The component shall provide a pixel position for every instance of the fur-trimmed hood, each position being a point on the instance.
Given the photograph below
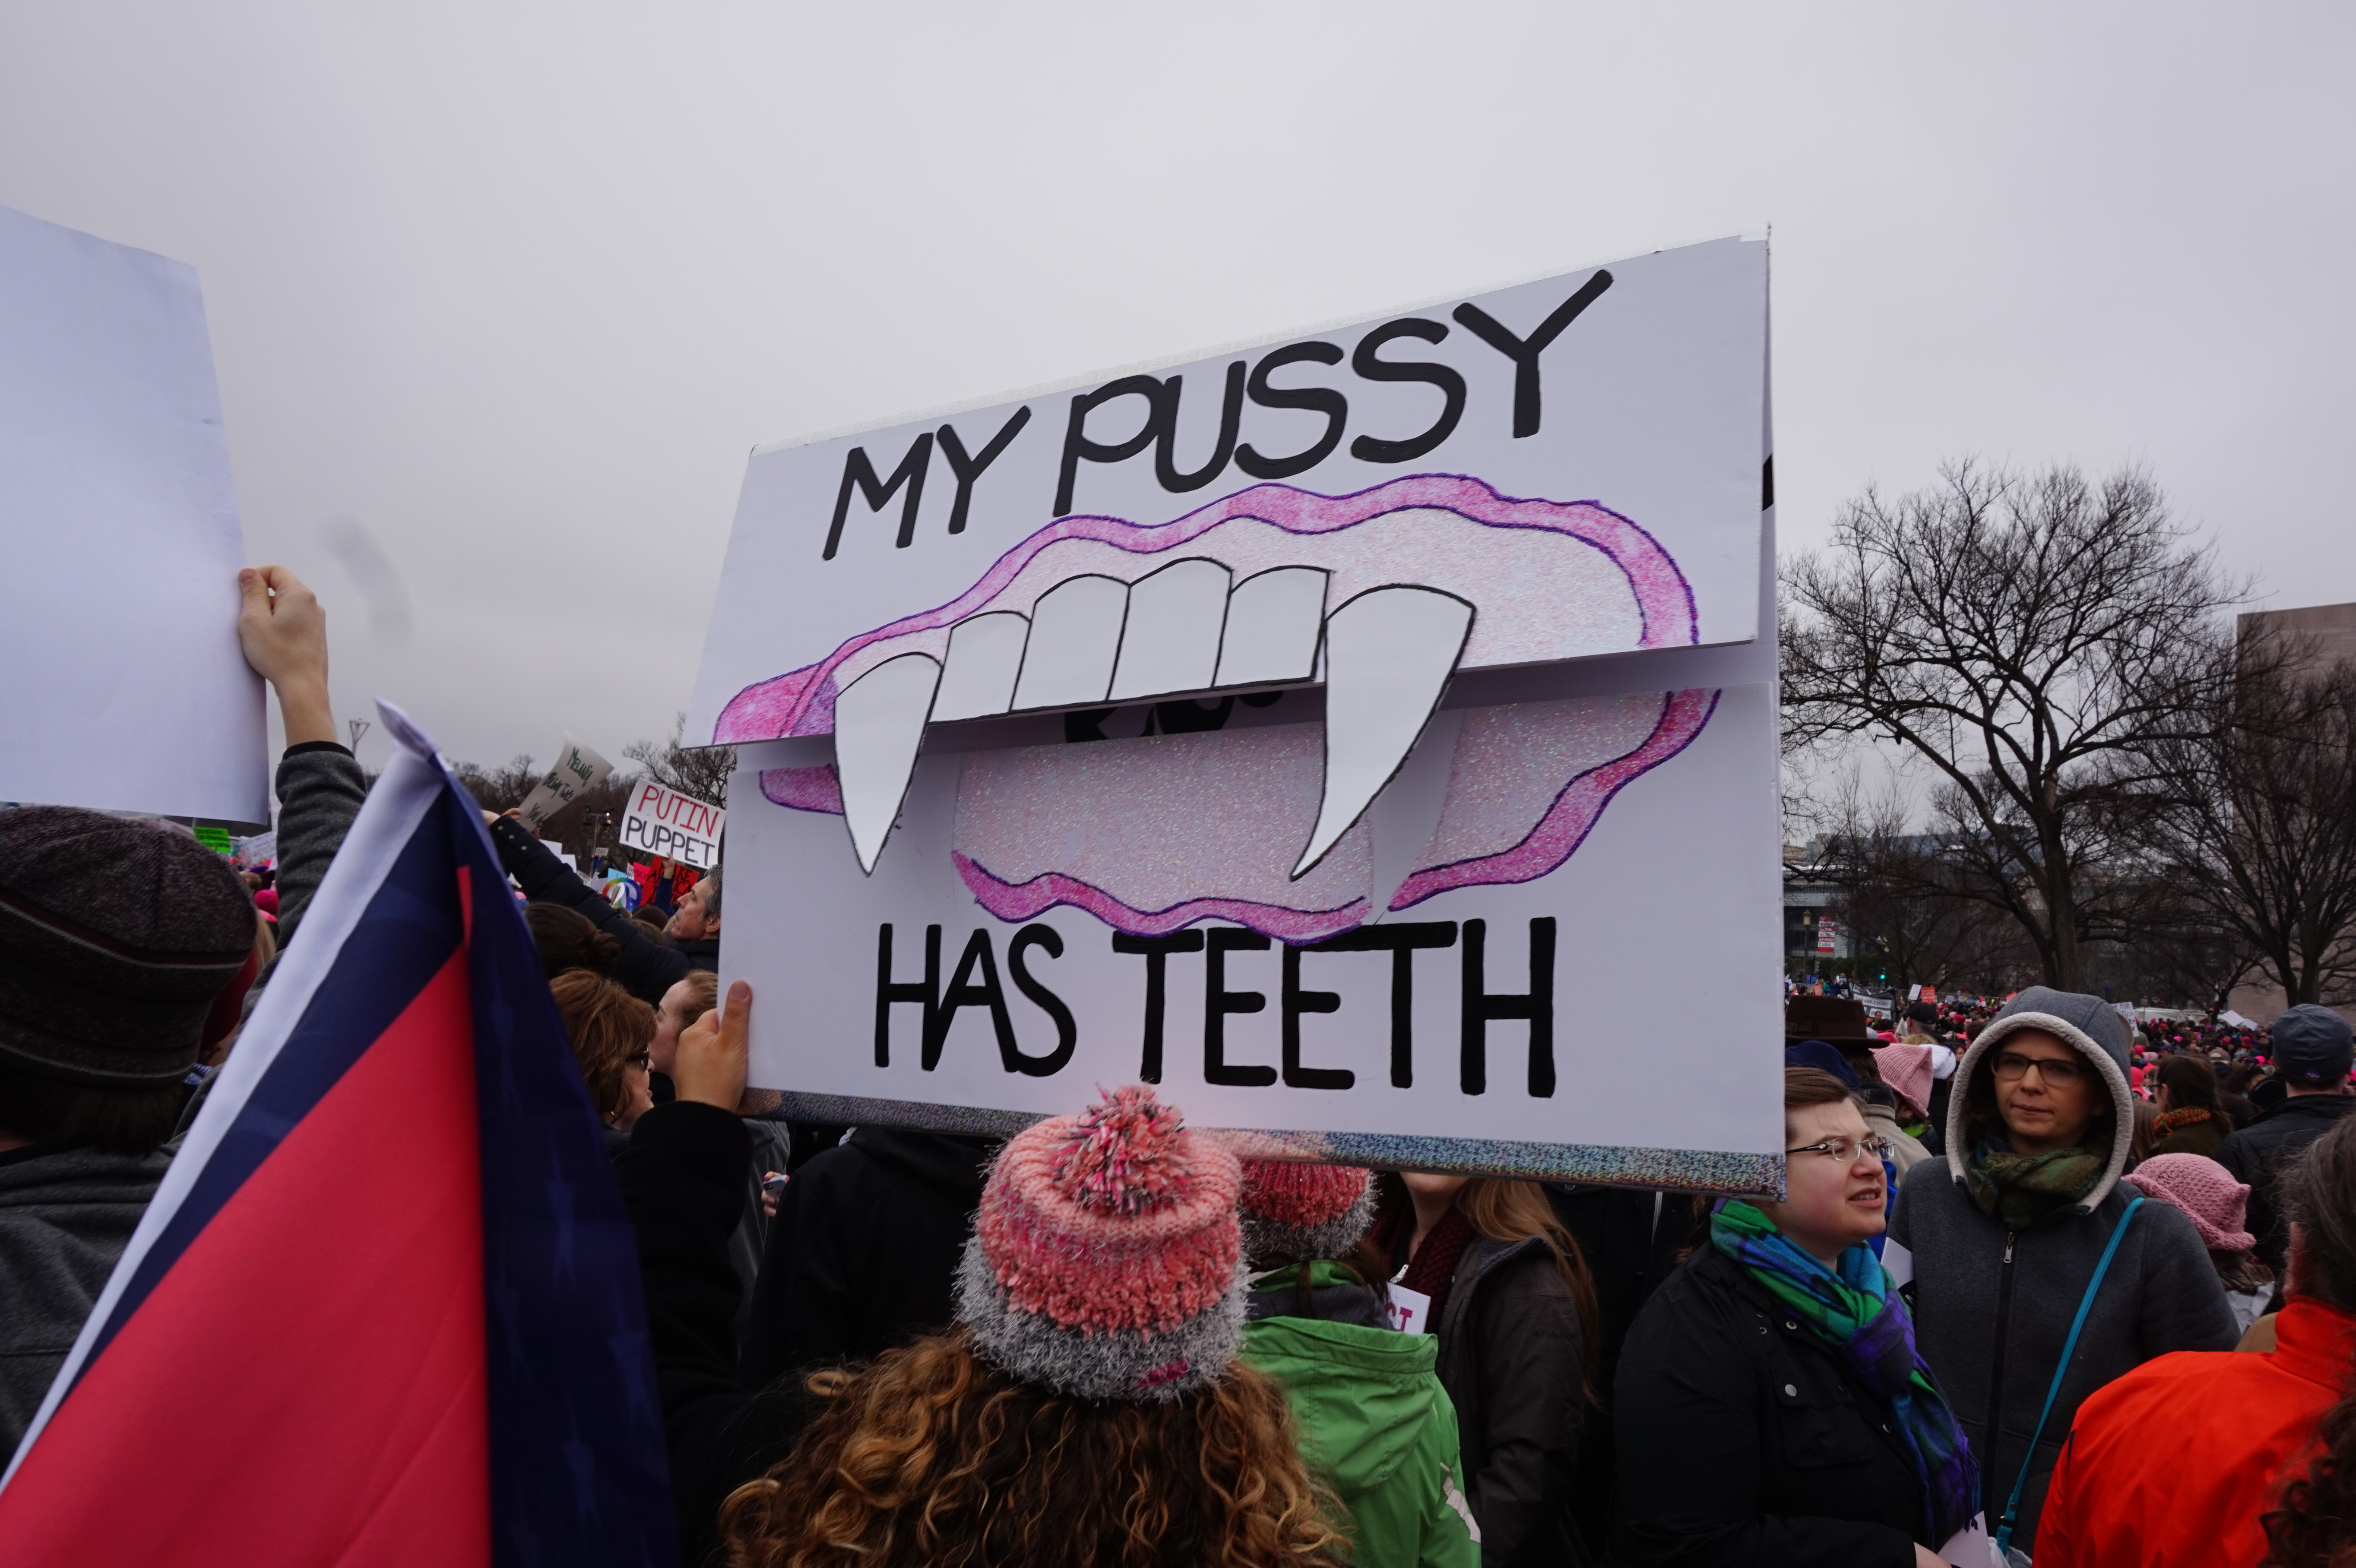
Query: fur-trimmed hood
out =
(2091, 1027)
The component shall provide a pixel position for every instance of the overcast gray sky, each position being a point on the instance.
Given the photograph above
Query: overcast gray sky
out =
(501, 295)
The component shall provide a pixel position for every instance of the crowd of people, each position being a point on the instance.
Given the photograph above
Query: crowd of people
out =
(2028, 1290)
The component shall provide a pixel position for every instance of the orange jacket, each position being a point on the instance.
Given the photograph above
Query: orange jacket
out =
(2173, 1464)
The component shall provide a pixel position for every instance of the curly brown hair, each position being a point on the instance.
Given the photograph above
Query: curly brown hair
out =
(932, 1456)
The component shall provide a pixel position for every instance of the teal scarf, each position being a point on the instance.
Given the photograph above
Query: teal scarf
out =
(1860, 1314)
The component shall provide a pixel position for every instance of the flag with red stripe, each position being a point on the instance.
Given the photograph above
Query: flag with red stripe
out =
(384, 1307)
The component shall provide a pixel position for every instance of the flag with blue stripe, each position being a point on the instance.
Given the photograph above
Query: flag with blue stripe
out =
(384, 1307)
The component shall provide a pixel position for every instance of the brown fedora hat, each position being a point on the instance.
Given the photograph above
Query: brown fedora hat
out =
(1832, 1019)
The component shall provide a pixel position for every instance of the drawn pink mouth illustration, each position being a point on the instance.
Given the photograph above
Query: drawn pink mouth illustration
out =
(1382, 594)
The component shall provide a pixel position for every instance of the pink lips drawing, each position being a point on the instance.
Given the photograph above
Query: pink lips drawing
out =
(1382, 594)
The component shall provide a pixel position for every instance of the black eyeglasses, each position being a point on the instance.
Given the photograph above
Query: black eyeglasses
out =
(644, 1058)
(2054, 1070)
(1846, 1149)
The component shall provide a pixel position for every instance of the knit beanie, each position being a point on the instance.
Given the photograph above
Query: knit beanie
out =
(1300, 1213)
(1907, 1069)
(115, 936)
(1106, 1261)
(2205, 1190)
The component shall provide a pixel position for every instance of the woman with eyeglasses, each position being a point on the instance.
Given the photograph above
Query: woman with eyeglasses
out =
(2003, 1239)
(1771, 1404)
(611, 1033)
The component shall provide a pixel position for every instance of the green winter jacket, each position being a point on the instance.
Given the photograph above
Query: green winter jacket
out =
(1375, 1426)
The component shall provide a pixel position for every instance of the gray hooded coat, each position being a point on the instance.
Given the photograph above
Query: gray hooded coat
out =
(1992, 1306)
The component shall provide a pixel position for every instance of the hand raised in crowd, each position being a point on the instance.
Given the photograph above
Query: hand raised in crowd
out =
(710, 1066)
(283, 633)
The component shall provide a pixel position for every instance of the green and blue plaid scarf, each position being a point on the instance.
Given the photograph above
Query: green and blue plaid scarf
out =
(1860, 1314)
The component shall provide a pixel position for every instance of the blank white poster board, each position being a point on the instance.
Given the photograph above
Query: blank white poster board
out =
(121, 683)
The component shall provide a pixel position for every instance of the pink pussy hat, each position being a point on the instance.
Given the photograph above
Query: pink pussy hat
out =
(2215, 1203)
(1107, 1261)
(1906, 1069)
(1300, 1212)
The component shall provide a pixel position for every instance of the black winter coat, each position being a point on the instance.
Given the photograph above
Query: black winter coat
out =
(682, 1177)
(1514, 1363)
(1630, 1240)
(2256, 1153)
(1745, 1444)
(863, 1253)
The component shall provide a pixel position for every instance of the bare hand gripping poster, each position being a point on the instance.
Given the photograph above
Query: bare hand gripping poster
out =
(1369, 735)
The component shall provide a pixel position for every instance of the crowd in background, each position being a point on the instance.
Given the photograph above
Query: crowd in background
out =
(2035, 1285)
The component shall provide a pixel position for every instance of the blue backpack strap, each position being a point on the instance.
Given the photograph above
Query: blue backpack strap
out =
(2085, 1305)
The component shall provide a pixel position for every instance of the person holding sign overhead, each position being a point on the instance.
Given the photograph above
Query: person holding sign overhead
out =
(645, 968)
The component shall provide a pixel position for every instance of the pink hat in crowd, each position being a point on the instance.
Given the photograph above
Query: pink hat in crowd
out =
(1106, 1261)
(2215, 1203)
(1907, 1069)
(1301, 1212)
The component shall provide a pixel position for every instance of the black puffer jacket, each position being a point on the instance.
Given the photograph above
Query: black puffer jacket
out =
(863, 1253)
(1632, 1240)
(1514, 1363)
(1745, 1444)
(2256, 1154)
(682, 1176)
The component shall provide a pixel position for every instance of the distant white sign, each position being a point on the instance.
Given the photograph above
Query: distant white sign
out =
(659, 821)
(576, 768)
(121, 683)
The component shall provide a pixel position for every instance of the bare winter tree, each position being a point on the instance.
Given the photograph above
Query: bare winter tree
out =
(585, 826)
(2035, 640)
(1900, 901)
(700, 772)
(2259, 834)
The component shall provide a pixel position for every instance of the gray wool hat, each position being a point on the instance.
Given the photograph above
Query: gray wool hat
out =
(2088, 1025)
(2311, 1045)
(115, 936)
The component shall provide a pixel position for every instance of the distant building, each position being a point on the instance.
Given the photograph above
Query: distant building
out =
(2332, 630)
(1807, 894)
(2331, 627)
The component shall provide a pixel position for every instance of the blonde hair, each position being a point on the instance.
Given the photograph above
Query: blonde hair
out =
(703, 995)
(932, 1456)
(1518, 1210)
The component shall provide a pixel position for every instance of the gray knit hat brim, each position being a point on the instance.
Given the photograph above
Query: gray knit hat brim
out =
(1268, 1241)
(1098, 1364)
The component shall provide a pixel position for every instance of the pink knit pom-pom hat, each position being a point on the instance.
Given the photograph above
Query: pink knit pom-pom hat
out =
(1297, 1213)
(1106, 1261)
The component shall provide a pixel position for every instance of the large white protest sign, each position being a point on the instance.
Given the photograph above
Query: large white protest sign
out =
(121, 683)
(659, 821)
(1360, 747)
(576, 768)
